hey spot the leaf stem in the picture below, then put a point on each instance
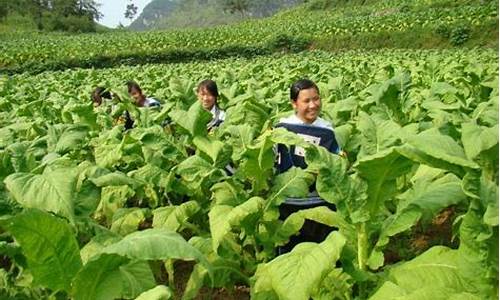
(362, 246)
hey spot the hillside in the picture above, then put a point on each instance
(168, 14)
(154, 11)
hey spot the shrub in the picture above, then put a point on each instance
(284, 42)
(443, 31)
(459, 35)
(71, 24)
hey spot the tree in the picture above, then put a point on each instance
(131, 11)
(89, 8)
(236, 6)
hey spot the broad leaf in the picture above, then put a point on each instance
(174, 217)
(293, 183)
(321, 214)
(160, 292)
(376, 135)
(53, 190)
(224, 217)
(49, 245)
(111, 276)
(380, 172)
(438, 271)
(127, 220)
(296, 275)
(477, 139)
(154, 244)
(439, 147)
(194, 120)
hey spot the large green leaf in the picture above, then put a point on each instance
(334, 185)
(151, 174)
(321, 214)
(439, 147)
(194, 120)
(53, 190)
(479, 244)
(174, 217)
(114, 179)
(229, 192)
(113, 198)
(127, 220)
(380, 172)
(63, 138)
(432, 195)
(247, 111)
(111, 276)
(195, 171)
(154, 244)
(293, 183)
(49, 245)
(94, 247)
(258, 161)
(219, 152)
(438, 271)
(477, 139)
(224, 217)
(160, 292)
(376, 135)
(296, 275)
(388, 94)
(241, 136)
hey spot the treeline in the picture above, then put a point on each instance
(55, 15)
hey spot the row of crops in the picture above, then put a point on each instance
(92, 212)
(51, 51)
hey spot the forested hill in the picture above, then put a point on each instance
(165, 14)
(154, 11)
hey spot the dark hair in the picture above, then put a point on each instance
(132, 85)
(210, 86)
(299, 85)
(99, 93)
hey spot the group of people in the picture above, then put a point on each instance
(207, 93)
(305, 121)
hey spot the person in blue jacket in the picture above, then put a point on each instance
(305, 122)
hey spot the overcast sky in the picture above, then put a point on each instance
(114, 10)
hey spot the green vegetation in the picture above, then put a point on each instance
(116, 210)
(91, 211)
(60, 15)
(378, 25)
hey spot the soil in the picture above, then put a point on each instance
(424, 236)
(182, 271)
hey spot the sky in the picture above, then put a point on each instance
(114, 10)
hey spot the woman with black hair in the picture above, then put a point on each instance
(306, 102)
(98, 94)
(208, 93)
(135, 91)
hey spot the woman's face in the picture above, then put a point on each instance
(137, 95)
(207, 100)
(97, 101)
(308, 105)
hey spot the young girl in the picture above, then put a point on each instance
(135, 91)
(208, 93)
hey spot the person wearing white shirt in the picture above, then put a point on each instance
(140, 99)
(207, 94)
